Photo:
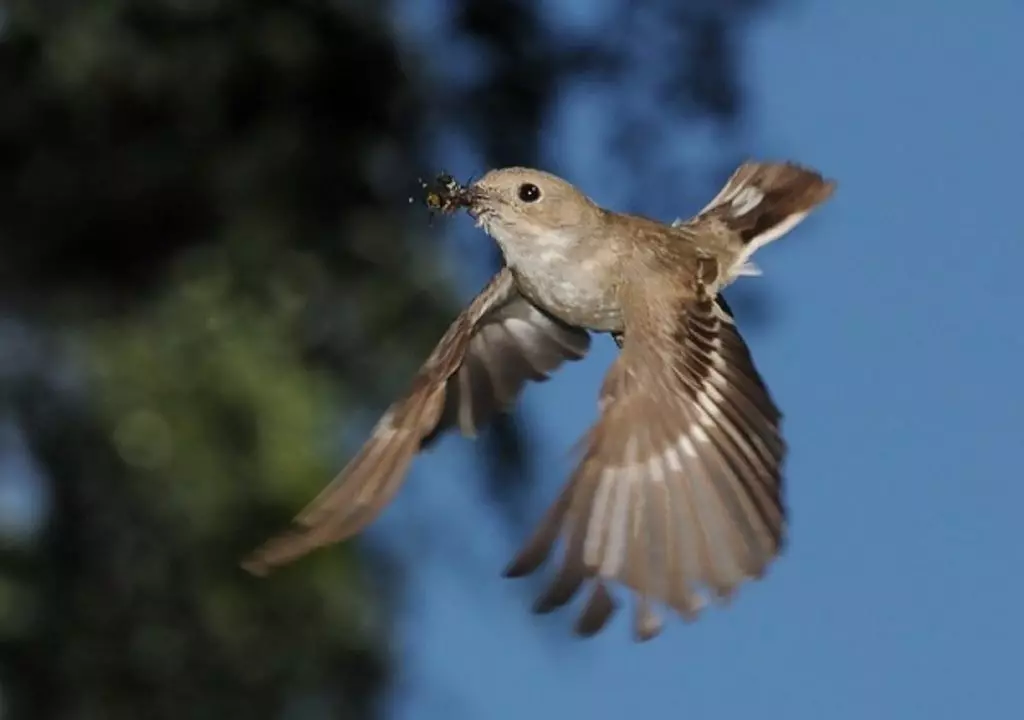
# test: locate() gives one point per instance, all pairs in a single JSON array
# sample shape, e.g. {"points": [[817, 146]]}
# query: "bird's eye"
{"points": [[528, 192]]}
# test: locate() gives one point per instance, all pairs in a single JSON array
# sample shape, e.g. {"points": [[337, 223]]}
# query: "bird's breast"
{"points": [[580, 293]]}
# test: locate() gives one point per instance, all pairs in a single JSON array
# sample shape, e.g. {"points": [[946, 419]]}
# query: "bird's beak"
{"points": [[470, 198]]}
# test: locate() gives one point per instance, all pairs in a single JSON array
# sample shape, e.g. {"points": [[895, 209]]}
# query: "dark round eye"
{"points": [[528, 192]]}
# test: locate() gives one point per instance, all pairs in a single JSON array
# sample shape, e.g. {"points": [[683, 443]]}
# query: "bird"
{"points": [[677, 496]]}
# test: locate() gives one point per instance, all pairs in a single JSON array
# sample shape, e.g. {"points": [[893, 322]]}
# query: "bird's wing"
{"points": [[679, 490], [494, 346], [514, 343]]}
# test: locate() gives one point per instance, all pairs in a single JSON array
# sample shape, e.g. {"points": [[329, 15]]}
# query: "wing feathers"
{"points": [[518, 343], [678, 492], [478, 368], [538, 547], [596, 613]]}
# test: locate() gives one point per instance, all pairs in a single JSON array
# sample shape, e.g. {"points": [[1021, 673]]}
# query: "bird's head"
{"points": [[520, 206]]}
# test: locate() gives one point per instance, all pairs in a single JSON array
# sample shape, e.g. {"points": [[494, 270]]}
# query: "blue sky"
{"points": [[894, 351]]}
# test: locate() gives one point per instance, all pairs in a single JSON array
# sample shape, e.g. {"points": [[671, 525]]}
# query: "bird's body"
{"points": [[678, 493]]}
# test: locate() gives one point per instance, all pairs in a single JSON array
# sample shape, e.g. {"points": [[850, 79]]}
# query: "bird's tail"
{"points": [[761, 202]]}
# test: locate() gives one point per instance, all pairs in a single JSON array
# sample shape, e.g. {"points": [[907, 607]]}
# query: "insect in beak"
{"points": [[446, 195]]}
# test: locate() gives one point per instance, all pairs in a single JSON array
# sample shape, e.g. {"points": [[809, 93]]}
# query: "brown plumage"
{"points": [[678, 492], [498, 343]]}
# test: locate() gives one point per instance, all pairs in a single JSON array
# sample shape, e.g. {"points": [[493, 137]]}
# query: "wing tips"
{"points": [[280, 550], [361, 490]]}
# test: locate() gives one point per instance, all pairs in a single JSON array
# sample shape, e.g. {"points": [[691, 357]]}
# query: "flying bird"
{"points": [[678, 494]]}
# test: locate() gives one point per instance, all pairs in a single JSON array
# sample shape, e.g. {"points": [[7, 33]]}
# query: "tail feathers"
{"points": [[763, 201]]}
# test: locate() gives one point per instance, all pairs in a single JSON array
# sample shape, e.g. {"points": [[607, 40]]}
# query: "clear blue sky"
{"points": [[896, 354]]}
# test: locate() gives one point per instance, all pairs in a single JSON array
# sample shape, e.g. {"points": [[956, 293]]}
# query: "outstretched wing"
{"points": [[679, 490], [498, 343], [513, 344]]}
